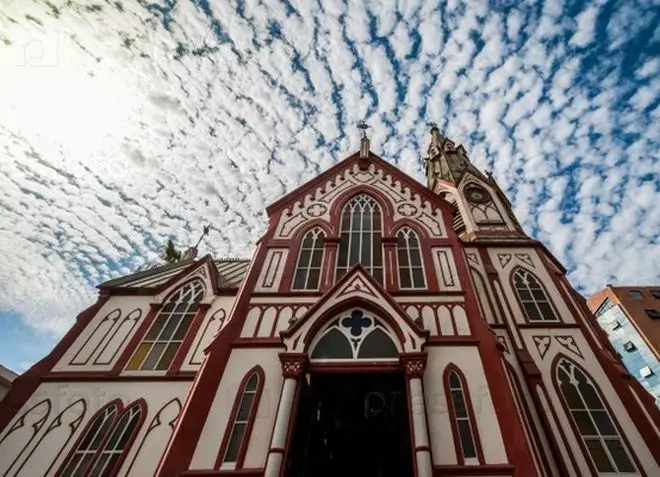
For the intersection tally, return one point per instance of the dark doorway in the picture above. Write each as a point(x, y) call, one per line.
point(352, 425)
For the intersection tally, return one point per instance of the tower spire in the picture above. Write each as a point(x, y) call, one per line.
point(444, 160)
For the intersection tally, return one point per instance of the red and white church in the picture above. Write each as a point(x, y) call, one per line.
point(382, 328)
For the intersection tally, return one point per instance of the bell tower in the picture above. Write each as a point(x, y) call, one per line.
point(481, 210)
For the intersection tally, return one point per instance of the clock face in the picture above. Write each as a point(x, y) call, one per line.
point(477, 194)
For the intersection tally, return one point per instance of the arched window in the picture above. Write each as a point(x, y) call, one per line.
point(310, 260)
point(244, 412)
point(99, 451)
point(462, 416)
point(533, 297)
point(360, 239)
point(355, 336)
point(411, 271)
point(164, 338)
point(593, 421)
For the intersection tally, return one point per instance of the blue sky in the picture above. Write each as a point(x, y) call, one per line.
point(126, 123)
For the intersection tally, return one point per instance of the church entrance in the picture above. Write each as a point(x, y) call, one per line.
point(352, 425)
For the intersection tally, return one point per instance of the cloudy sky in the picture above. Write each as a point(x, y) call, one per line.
point(124, 123)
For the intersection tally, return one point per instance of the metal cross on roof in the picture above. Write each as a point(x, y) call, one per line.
point(363, 126)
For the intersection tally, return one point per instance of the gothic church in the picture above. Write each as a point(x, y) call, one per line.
point(382, 328)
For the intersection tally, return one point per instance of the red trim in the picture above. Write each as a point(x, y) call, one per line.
point(485, 470)
point(245, 440)
point(86, 376)
point(452, 368)
point(349, 367)
point(217, 473)
point(576, 432)
point(191, 334)
point(26, 384)
point(528, 421)
point(294, 244)
point(121, 410)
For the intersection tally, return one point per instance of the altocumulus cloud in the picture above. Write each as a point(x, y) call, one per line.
point(124, 123)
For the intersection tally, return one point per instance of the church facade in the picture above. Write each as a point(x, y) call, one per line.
point(382, 328)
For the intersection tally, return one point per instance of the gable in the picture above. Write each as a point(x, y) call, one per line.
point(318, 200)
point(358, 290)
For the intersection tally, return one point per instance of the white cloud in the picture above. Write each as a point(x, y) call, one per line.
point(148, 125)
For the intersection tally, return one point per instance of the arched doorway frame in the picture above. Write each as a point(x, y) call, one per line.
point(295, 364)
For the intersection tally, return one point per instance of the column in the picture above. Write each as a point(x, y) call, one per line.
point(293, 366)
point(414, 365)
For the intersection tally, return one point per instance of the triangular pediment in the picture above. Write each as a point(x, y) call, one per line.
point(318, 200)
point(356, 290)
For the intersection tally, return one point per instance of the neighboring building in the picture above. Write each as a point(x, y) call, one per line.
point(381, 328)
point(6, 378)
point(631, 318)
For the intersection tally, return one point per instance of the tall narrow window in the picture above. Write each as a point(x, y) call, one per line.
point(310, 260)
point(100, 450)
point(360, 239)
point(533, 297)
point(593, 421)
point(244, 411)
point(162, 341)
point(411, 272)
point(463, 419)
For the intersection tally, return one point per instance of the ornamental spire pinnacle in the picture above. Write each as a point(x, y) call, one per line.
point(364, 140)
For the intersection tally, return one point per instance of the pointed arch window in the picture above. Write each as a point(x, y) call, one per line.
point(310, 261)
point(161, 343)
point(360, 237)
point(101, 448)
point(244, 412)
point(533, 297)
point(592, 420)
point(462, 416)
point(411, 271)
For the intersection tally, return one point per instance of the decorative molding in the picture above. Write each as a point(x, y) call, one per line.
point(543, 344)
point(504, 259)
point(293, 365)
point(414, 364)
point(568, 342)
point(134, 317)
point(525, 258)
point(318, 202)
point(502, 340)
point(472, 258)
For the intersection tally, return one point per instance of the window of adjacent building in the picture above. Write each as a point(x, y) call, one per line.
point(310, 260)
point(645, 372)
point(615, 325)
point(411, 271)
point(360, 237)
point(606, 305)
point(629, 346)
point(654, 314)
point(636, 295)
point(161, 343)
point(655, 293)
point(243, 414)
point(99, 450)
point(461, 415)
point(533, 297)
point(593, 421)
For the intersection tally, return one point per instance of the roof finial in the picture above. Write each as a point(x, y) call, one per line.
point(364, 140)
point(192, 251)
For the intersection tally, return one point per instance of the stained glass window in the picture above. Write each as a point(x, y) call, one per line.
point(245, 412)
point(411, 271)
point(457, 400)
point(162, 341)
point(597, 430)
point(360, 237)
point(310, 260)
point(103, 442)
point(533, 297)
